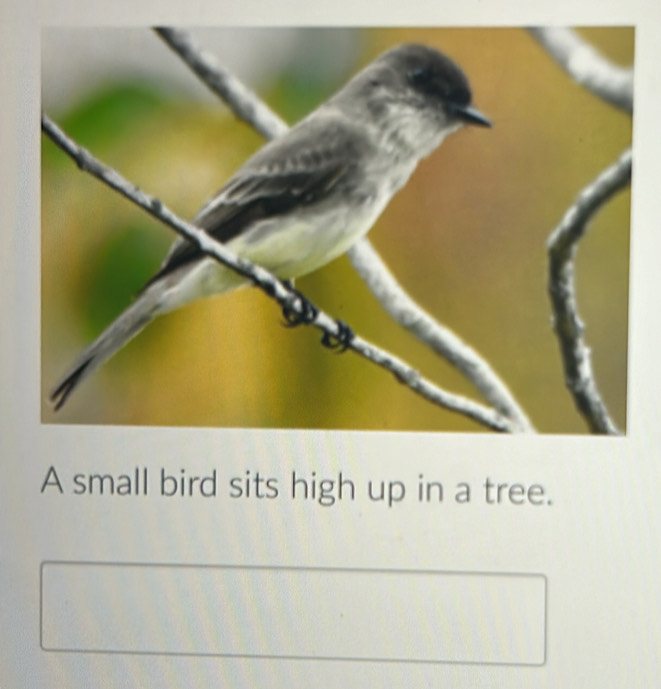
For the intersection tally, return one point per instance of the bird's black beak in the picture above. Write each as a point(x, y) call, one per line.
point(471, 116)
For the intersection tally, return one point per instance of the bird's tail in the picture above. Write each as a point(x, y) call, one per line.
point(113, 338)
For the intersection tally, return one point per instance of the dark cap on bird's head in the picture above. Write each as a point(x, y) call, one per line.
point(431, 74)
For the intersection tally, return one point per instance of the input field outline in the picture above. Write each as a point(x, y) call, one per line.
point(296, 568)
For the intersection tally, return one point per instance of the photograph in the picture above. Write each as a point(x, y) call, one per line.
point(378, 229)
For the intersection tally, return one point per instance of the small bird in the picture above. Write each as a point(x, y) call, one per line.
point(307, 196)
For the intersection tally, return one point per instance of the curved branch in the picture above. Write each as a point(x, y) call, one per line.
point(269, 284)
point(248, 107)
point(562, 246)
point(587, 66)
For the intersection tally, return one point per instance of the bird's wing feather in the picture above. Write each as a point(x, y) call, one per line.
point(298, 168)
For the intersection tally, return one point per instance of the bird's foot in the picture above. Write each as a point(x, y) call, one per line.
point(340, 342)
point(299, 309)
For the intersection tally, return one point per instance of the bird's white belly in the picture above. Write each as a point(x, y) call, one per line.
point(286, 246)
point(291, 247)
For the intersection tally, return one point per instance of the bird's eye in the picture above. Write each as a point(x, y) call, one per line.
point(420, 76)
point(427, 80)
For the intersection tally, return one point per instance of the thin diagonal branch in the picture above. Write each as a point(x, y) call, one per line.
point(270, 284)
point(587, 66)
point(562, 246)
point(407, 313)
point(244, 103)
point(402, 308)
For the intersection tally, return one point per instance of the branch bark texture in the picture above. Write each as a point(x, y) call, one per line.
point(614, 85)
point(562, 247)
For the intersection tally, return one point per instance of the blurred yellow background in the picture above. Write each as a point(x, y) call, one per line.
point(466, 238)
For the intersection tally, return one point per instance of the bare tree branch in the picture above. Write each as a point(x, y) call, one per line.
point(401, 307)
point(286, 297)
point(562, 246)
point(243, 102)
point(407, 313)
point(587, 66)
point(613, 84)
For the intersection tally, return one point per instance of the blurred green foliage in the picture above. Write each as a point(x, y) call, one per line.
point(115, 274)
point(109, 112)
point(466, 238)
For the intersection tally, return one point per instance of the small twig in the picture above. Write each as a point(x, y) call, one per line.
point(587, 66)
point(562, 246)
point(270, 284)
point(248, 107)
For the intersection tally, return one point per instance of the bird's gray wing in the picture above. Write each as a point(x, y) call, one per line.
point(298, 168)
